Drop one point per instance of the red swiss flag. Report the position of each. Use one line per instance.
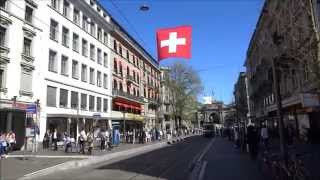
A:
(174, 42)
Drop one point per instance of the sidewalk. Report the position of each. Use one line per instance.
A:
(15, 166)
(225, 162)
(310, 155)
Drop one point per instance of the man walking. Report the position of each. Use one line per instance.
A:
(265, 137)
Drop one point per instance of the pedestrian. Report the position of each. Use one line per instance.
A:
(3, 145)
(265, 137)
(67, 143)
(102, 136)
(11, 139)
(236, 138)
(55, 139)
(252, 139)
(82, 139)
(90, 142)
(108, 140)
(46, 140)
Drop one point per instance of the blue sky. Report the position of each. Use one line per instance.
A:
(221, 31)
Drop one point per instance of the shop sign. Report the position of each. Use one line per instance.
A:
(20, 106)
(31, 109)
(310, 100)
(96, 115)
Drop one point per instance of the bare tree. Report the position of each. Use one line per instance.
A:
(184, 86)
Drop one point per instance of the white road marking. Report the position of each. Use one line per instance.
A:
(203, 170)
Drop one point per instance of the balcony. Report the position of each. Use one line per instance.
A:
(125, 95)
(131, 80)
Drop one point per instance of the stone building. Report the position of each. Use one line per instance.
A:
(241, 98)
(286, 40)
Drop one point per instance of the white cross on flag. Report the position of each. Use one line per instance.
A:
(174, 42)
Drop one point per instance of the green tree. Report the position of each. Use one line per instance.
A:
(184, 85)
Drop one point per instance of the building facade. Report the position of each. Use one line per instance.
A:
(76, 68)
(241, 100)
(135, 83)
(285, 45)
(21, 56)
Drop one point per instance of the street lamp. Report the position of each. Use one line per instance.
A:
(144, 7)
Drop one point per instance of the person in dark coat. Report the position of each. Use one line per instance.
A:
(252, 139)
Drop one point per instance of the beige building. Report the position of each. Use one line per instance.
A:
(286, 37)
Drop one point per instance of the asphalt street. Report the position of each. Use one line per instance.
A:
(174, 162)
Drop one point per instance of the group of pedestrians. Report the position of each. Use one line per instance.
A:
(7, 143)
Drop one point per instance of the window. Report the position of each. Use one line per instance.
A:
(83, 101)
(65, 36)
(85, 23)
(2, 36)
(91, 76)
(51, 96)
(99, 104)
(105, 105)
(115, 66)
(120, 68)
(53, 66)
(3, 4)
(127, 54)
(99, 78)
(74, 100)
(115, 84)
(120, 86)
(84, 48)
(26, 82)
(105, 59)
(1, 78)
(115, 45)
(54, 30)
(92, 52)
(55, 4)
(75, 42)
(105, 81)
(128, 89)
(84, 73)
(99, 34)
(120, 50)
(93, 29)
(128, 72)
(91, 3)
(64, 65)
(91, 103)
(63, 98)
(28, 14)
(27, 46)
(99, 56)
(76, 16)
(105, 38)
(66, 7)
(75, 69)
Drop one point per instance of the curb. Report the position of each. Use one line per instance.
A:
(73, 164)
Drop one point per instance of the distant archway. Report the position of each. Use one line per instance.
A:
(214, 117)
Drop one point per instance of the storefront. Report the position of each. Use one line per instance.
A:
(13, 118)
